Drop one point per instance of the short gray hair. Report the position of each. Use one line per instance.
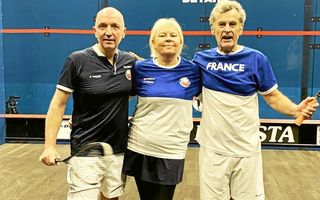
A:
(223, 6)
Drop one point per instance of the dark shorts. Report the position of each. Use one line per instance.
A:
(152, 169)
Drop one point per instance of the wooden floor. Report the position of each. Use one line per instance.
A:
(289, 174)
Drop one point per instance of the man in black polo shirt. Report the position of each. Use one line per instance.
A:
(99, 80)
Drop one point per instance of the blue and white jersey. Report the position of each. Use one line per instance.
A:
(162, 120)
(230, 118)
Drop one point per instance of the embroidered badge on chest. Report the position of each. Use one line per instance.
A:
(128, 74)
(184, 82)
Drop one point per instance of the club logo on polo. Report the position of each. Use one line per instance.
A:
(128, 74)
(184, 82)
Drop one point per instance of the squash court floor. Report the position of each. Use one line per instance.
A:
(288, 174)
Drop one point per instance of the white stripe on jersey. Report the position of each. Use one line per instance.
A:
(229, 123)
(161, 127)
(61, 87)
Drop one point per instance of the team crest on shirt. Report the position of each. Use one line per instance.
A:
(184, 82)
(128, 74)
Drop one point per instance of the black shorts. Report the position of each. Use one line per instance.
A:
(152, 169)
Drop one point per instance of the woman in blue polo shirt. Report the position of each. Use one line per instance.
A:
(159, 132)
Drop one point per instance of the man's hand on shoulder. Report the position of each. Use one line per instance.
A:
(135, 56)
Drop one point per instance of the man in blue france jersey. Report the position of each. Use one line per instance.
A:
(99, 79)
(233, 75)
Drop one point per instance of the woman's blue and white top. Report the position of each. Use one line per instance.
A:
(162, 121)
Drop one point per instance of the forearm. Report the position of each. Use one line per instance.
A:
(54, 117)
(282, 104)
(53, 122)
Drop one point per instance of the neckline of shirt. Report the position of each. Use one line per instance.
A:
(231, 53)
(166, 67)
(99, 53)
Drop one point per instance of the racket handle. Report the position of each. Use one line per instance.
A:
(301, 118)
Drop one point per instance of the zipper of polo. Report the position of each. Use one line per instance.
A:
(115, 64)
(114, 68)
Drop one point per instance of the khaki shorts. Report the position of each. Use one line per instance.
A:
(223, 177)
(88, 176)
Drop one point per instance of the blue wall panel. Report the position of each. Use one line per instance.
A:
(33, 61)
(271, 15)
(2, 91)
(140, 15)
(284, 52)
(315, 72)
(143, 19)
(76, 14)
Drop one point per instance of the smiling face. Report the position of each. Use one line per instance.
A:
(227, 29)
(167, 40)
(109, 29)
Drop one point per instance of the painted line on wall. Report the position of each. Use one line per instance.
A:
(145, 32)
(42, 116)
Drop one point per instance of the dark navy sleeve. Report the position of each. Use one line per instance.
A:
(68, 74)
(133, 76)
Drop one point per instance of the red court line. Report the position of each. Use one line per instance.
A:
(43, 31)
(145, 32)
(282, 33)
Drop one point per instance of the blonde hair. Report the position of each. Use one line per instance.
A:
(224, 6)
(157, 26)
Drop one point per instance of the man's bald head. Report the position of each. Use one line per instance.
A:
(109, 12)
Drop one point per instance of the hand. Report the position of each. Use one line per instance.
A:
(197, 104)
(136, 56)
(307, 107)
(70, 123)
(49, 156)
